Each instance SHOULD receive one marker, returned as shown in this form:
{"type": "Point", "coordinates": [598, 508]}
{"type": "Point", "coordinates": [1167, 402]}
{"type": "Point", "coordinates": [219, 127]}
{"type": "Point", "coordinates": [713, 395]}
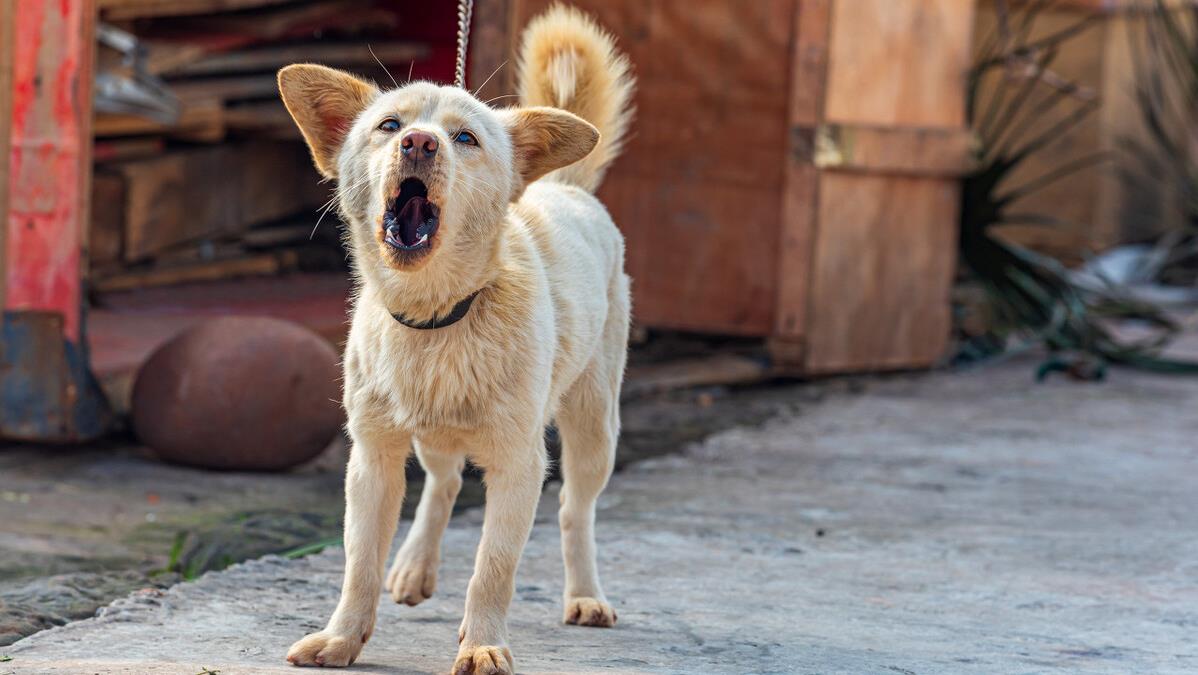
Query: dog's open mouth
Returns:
{"type": "Point", "coordinates": [411, 220]}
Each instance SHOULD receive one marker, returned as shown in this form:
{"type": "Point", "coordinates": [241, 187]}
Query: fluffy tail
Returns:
{"type": "Point", "coordinates": [567, 61]}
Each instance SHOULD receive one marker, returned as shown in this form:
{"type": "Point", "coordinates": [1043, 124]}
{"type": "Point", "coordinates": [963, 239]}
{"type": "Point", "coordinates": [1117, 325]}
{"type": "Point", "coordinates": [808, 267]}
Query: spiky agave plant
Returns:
{"type": "Point", "coordinates": [1031, 295]}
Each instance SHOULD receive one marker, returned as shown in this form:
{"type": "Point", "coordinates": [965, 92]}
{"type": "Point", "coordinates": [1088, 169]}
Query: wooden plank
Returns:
{"type": "Point", "coordinates": [198, 121]}
{"type": "Point", "coordinates": [298, 232]}
{"type": "Point", "coordinates": [696, 190]}
{"type": "Point", "coordinates": [264, 119]}
{"type": "Point", "coordinates": [679, 131]}
{"type": "Point", "coordinates": [273, 57]}
{"type": "Point", "coordinates": [1105, 6]}
{"type": "Point", "coordinates": [800, 188]}
{"type": "Point", "coordinates": [720, 369]}
{"type": "Point", "coordinates": [266, 264]}
{"type": "Point", "coordinates": [137, 9]}
{"type": "Point", "coordinates": [277, 180]}
{"type": "Point", "coordinates": [894, 150]}
{"type": "Point", "coordinates": [106, 234]}
{"type": "Point", "coordinates": [117, 149]}
{"type": "Point", "coordinates": [288, 20]}
{"type": "Point", "coordinates": [702, 254]}
{"type": "Point", "coordinates": [232, 88]}
{"type": "Point", "coordinates": [899, 63]}
{"type": "Point", "coordinates": [171, 200]}
{"type": "Point", "coordinates": [884, 263]}
{"type": "Point", "coordinates": [7, 13]}
{"type": "Point", "coordinates": [490, 44]}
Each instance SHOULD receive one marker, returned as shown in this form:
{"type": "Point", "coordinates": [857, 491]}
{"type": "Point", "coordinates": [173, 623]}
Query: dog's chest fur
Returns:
{"type": "Point", "coordinates": [458, 377]}
{"type": "Point", "coordinates": [526, 338]}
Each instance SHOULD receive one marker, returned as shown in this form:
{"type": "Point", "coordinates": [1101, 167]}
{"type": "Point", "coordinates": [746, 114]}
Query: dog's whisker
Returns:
{"type": "Point", "coordinates": [493, 72]}
{"type": "Point", "coordinates": [492, 100]}
{"type": "Point", "coordinates": [379, 61]}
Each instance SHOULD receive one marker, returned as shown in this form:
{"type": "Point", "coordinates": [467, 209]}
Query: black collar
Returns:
{"type": "Point", "coordinates": [455, 315]}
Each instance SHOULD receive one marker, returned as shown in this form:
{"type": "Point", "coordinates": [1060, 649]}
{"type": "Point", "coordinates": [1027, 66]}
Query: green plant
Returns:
{"type": "Point", "coordinates": [311, 549]}
{"type": "Point", "coordinates": [245, 535]}
{"type": "Point", "coordinates": [1032, 296]}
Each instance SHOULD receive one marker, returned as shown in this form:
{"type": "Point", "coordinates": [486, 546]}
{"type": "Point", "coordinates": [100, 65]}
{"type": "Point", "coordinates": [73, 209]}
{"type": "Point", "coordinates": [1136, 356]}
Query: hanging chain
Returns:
{"type": "Point", "coordinates": [465, 10]}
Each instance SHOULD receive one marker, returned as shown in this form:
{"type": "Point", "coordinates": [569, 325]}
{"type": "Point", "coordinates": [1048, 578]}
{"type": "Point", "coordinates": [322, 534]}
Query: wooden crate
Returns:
{"type": "Point", "coordinates": [792, 173]}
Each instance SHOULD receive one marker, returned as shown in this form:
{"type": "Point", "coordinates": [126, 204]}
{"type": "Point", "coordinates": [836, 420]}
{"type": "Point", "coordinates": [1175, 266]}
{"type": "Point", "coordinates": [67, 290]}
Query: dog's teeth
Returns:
{"type": "Point", "coordinates": [423, 238]}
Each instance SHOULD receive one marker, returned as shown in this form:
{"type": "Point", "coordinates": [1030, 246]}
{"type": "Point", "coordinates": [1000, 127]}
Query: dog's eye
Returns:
{"type": "Point", "coordinates": [466, 137]}
{"type": "Point", "coordinates": [389, 125]}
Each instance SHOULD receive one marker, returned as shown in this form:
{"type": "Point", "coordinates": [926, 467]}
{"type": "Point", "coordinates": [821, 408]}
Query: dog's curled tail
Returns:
{"type": "Point", "coordinates": [567, 61]}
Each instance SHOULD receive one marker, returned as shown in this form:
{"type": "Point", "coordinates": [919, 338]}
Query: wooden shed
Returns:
{"type": "Point", "coordinates": [793, 173]}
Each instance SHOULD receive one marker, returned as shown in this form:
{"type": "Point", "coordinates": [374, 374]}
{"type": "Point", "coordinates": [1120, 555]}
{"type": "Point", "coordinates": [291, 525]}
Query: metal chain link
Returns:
{"type": "Point", "coordinates": [465, 10]}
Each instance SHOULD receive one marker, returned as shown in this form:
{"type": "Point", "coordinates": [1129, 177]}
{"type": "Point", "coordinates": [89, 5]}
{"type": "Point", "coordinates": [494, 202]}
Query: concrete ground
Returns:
{"type": "Point", "coordinates": [953, 523]}
{"type": "Point", "coordinates": [81, 527]}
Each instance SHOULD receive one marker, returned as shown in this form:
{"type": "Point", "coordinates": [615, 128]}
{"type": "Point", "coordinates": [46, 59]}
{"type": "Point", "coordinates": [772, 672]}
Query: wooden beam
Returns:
{"type": "Point", "coordinates": [46, 392]}
{"type": "Point", "coordinates": [1107, 6]}
{"type": "Point", "coordinates": [490, 44]}
{"type": "Point", "coordinates": [800, 189]}
{"type": "Point", "coordinates": [894, 150]}
{"type": "Point", "coordinates": [266, 264]}
{"type": "Point", "coordinates": [722, 369]}
{"type": "Point", "coordinates": [201, 121]}
{"type": "Point", "coordinates": [137, 9]}
{"type": "Point", "coordinates": [273, 57]}
{"type": "Point", "coordinates": [229, 88]}
{"type": "Point", "coordinates": [50, 157]}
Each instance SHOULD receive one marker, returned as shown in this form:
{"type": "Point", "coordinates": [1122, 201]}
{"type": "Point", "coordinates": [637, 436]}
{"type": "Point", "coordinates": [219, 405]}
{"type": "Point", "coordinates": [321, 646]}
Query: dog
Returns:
{"type": "Point", "coordinates": [491, 301]}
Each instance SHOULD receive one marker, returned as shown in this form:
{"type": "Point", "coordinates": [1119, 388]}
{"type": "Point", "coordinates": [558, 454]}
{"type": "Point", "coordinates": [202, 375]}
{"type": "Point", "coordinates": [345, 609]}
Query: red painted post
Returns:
{"type": "Point", "coordinates": [50, 157]}
{"type": "Point", "coordinates": [47, 392]}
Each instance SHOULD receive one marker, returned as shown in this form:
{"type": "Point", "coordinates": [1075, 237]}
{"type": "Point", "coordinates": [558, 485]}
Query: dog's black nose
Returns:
{"type": "Point", "coordinates": [418, 139]}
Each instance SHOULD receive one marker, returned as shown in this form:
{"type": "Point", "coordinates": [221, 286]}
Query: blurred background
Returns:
{"type": "Point", "coordinates": [816, 192]}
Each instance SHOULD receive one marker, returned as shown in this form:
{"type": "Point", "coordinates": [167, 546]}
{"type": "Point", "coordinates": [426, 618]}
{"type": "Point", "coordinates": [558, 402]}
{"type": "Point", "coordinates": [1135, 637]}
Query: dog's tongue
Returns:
{"type": "Point", "coordinates": [410, 218]}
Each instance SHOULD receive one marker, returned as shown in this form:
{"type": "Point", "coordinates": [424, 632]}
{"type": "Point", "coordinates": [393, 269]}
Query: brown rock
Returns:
{"type": "Point", "coordinates": [239, 393]}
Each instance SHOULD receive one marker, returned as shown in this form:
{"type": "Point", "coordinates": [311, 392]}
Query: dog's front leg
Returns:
{"type": "Point", "coordinates": [374, 489]}
{"type": "Point", "coordinates": [513, 483]}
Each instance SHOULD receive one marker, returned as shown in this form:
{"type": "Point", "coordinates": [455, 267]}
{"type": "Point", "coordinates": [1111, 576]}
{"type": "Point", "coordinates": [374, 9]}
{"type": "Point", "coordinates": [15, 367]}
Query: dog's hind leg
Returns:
{"type": "Point", "coordinates": [413, 576]}
{"type": "Point", "coordinates": [589, 425]}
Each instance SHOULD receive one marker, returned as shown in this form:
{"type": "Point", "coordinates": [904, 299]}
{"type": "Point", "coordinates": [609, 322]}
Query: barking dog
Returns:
{"type": "Point", "coordinates": [491, 301]}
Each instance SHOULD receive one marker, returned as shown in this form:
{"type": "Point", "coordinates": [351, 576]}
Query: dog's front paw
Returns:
{"type": "Point", "coordinates": [325, 649]}
{"type": "Point", "coordinates": [589, 612]}
{"type": "Point", "coordinates": [484, 660]}
{"type": "Point", "coordinates": [412, 580]}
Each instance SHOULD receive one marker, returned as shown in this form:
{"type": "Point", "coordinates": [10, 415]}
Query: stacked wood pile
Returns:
{"type": "Point", "coordinates": [226, 188]}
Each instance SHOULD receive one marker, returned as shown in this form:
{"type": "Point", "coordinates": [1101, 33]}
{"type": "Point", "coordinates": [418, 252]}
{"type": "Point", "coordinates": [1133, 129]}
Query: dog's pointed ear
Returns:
{"type": "Point", "coordinates": [324, 104]}
{"type": "Point", "coordinates": [544, 139]}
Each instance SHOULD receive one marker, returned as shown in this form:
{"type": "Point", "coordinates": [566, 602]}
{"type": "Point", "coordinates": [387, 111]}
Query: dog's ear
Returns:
{"type": "Point", "coordinates": [544, 139]}
{"type": "Point", "coordinates": [324, 103]}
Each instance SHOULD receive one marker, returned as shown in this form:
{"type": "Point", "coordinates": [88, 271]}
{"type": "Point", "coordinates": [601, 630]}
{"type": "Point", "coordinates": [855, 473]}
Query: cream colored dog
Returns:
{"type": "Point", "coordinates": [491, 301]}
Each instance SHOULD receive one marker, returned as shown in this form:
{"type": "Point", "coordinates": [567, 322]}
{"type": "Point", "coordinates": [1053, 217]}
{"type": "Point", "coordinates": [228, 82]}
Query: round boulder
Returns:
{"type": "Point", "coordinates": [247, 393]}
